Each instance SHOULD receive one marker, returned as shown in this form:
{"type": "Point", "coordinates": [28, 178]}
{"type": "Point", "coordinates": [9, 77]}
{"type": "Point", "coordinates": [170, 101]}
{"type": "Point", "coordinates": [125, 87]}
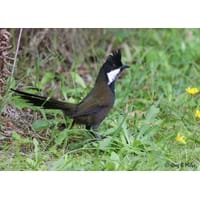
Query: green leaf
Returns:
{"type": "Point", "coordinates": [48, 76]}
{"type": "Point", "coordinates": [125, 134]}
{"type": "Point", "coordinates": [40, 124]}
{"type": "Point", "coordinates": [78, 79]}
{"type": "Point", "coordinates": [16, 136]}
{"type": "Point", "coordinates": [19, 102]}
{"type": "Point", "coordinates": [152, 113]}
{"type": "Point", "coordinates": [103, 144]}
{"type": "Point", "coordinates": [114, 156]}
{"type": "Point", "coordinates": [36, 149]}
{"type": "Point", "coordinates": [128, 54]}
{"type": "Point", "coordinates": [61, 137]}
{"type": "Point", "coordinates": [31, 162]}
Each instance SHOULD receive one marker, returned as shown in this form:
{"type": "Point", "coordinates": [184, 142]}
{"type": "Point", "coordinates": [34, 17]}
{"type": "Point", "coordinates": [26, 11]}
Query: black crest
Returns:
{"type": "Point", "coordinates": [114, 59]}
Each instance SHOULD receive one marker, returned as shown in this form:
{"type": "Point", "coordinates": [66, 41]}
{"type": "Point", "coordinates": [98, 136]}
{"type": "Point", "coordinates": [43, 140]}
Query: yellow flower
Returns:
{"type": "Point", "coordinates": [192, 91]}
{"type": "Point", "coordinates": [180, 138]}
{"type": "Point", "coordinates": [197, 114]}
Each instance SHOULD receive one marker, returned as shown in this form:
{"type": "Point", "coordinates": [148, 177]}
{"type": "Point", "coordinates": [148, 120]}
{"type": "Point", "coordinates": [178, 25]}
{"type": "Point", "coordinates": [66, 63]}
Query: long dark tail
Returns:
{"type": "Point", "coordinates": [46, 103]}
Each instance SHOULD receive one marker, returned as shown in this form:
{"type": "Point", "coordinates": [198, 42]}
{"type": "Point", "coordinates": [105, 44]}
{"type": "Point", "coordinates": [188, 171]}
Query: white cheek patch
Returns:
{"type": "Point", "coordinates": [112, 75]}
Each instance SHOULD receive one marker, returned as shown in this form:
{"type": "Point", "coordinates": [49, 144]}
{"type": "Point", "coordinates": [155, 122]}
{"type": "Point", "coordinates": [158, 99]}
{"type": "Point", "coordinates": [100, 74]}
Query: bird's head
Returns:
{"type": "Point", "coordinates": [113, 66]}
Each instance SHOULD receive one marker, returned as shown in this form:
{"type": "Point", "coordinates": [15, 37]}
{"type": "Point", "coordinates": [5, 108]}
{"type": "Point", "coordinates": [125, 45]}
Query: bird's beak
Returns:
{"type": "Point", "coordinates": [125, 66]}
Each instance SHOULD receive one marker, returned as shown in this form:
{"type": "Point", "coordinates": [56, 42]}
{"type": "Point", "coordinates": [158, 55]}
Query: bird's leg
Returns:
{"type": "Point", "coordinates": [93, 131]}
{"type": "Point", "coordinates": [89, 129]}
{"type": "Point", "coordinates": [64, 125]}
{"type": "Point", "coordinates": [61, 127]}
{"type": "Point", "coordinates": [72, 124]}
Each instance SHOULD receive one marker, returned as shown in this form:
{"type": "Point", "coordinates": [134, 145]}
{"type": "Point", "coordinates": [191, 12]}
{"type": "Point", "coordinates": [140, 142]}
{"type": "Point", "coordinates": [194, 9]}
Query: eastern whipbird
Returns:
{"type": "Point", "coordinates": [93, 109]}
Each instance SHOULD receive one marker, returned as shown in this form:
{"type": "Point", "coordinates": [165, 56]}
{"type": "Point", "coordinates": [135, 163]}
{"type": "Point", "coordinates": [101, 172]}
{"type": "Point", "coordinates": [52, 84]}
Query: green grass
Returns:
{"type": "Point", "coordinates": [151, 108]}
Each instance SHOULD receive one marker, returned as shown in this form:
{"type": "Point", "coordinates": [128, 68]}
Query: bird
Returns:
{"type": "Point", "coordinates": [95, 106]}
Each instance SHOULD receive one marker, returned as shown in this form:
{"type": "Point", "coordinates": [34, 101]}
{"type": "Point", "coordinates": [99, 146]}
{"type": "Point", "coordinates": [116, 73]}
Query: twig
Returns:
{"type": "Point", "coordinates": [16, 52]}
{"type": "Point", "coordinates": [110, 46]}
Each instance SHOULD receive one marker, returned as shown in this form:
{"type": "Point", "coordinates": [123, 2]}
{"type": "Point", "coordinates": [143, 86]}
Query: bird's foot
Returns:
{"type": "Point", "coordinates": [97, 136]}
{"type": "Point", "coordinates": [62, 126]}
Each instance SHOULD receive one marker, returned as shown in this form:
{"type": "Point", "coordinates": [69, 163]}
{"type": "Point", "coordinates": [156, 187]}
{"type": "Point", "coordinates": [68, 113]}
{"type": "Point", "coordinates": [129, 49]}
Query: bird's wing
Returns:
{"type": "Point", "coordinates": [88, 109]}
{"type": "Point", "coordinates": [95, 101]}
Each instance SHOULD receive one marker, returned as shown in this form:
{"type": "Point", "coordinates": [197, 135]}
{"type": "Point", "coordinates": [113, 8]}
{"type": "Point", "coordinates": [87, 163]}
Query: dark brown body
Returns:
{"type": "Point", "coordinates": [95, 106]}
